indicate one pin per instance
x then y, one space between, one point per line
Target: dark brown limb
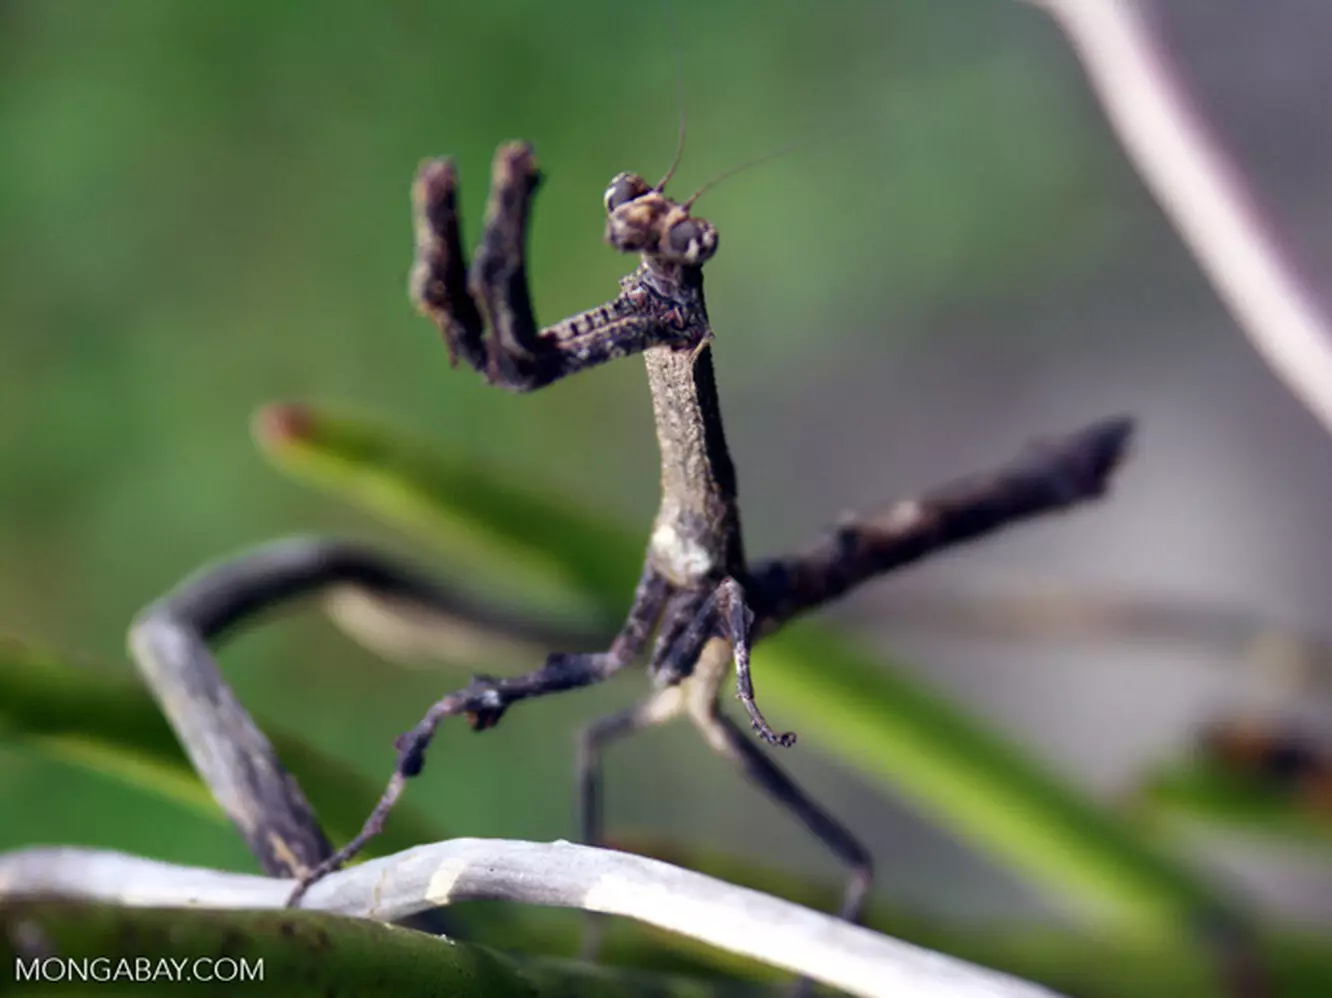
486 698
687 624
726 737
518 355
588 775
698 698
1050 476
591 744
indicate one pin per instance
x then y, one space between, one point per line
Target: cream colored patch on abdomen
680 556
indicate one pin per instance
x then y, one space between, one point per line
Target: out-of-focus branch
558 874
1053 610
385 604
1201 191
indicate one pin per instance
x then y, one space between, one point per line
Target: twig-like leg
697 696
518 355
726 737
485 700
1051 476
170 643
591 743
693 654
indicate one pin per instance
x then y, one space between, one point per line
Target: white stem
561 874
1202 192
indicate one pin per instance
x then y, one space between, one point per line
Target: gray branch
1202 192
558 874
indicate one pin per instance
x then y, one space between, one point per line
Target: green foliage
511 536
98 721
1202 792
299 953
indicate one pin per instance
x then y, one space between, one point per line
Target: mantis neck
697 531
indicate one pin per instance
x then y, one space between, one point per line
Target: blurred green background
203 208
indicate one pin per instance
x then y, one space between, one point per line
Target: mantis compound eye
683 235
691 240
623 189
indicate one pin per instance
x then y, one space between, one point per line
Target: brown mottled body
696 536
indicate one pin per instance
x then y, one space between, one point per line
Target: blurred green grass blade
301 953
1202 792
840 697
112 726
501 530
954 770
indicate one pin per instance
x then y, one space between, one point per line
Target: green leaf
1202 792
102 722
877 719
845 700
505 533
291 953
